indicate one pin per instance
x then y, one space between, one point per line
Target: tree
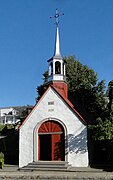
79 75
102 130
83 87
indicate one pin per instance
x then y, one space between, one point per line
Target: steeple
57 44
56 65
57 39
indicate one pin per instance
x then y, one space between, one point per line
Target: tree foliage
78 75
83 83
103 129
41 88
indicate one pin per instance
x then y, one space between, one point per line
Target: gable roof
66 100
70 105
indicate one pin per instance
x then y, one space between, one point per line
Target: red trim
70 105
64 98
50 126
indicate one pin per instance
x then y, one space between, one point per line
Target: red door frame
57 139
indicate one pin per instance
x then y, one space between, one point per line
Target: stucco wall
75 132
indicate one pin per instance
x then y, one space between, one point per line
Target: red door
51 142
57 147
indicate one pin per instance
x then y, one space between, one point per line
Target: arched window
57 67
50 69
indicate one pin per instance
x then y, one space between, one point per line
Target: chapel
54 131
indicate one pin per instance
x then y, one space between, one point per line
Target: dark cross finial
56 16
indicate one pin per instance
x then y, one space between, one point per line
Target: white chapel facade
54 130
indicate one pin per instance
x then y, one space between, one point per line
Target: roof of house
17 107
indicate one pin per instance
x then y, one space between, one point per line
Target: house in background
13 115
54 132
8 115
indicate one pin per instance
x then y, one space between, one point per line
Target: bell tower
56 65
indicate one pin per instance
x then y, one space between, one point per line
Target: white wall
76 151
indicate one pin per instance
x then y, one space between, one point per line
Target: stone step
47 165
50 163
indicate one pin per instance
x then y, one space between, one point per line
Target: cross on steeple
56 16
57 39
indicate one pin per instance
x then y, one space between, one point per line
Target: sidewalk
12 172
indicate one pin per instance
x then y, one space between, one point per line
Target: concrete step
47 165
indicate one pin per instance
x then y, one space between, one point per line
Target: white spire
57 43
57 39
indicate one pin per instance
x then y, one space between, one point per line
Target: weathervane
56 16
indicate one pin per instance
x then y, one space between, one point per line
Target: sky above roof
27 37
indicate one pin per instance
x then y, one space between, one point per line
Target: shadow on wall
77 144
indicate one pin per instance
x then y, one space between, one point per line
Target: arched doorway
51 142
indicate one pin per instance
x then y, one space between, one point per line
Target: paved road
12 172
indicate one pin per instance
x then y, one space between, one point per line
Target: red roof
64 98
69 104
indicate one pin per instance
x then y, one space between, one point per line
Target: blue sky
27 37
